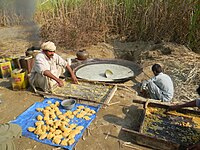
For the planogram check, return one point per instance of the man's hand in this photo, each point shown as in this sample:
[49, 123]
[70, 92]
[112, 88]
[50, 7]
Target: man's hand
[60, 82]
[75, 80]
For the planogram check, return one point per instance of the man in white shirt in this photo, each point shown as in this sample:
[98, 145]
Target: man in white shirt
[160, 87]
[48, 67]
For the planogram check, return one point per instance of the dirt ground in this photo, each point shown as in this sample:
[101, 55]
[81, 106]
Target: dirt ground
[105, 130]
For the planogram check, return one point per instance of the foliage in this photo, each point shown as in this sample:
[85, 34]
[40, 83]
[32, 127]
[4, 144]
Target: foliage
[77, 23]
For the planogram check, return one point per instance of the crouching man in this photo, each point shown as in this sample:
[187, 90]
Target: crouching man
[159, 87]
[48, 67]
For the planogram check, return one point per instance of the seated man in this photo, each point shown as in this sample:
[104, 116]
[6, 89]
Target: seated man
[160, 87]
[48, 67]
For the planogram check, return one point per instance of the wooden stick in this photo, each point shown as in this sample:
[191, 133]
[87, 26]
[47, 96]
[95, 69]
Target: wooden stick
[51, 94]
[130, 146]
[111, 94]
[146, 104]
[114, 103]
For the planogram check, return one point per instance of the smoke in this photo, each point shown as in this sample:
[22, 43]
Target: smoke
[25, 8]
[22, 8]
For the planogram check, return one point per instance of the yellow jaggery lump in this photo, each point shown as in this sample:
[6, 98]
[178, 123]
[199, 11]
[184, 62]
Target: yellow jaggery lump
[53, 116]
[49, 102]
[50, 135]
[68, 113]
[57, 103]
[80, 128]
[52, 129]
[58, 112]
[71, 135]
[59, 136]
[79, 110]
[51, 112]
[56, 108]
[71, 116]
[61, 117]
[87, 109]
[75, 131]
[71, 141]
[50, 122]
[39, 118]
[86, 118]
[64, 142]
[62, 127]
[75, 112]
[39, 109]
[57, 123]
[38, 131]
[31, 129]
[67, 120]
[79, 116]
[65, 134]
[48, 127]
[83, 113]
[56, 140]
[46, 118]
[43, 136]
[57, 132]
[80, 107]
[67, 130]
[45, 111]
[48, 108]
[44, 128]
[92, 111]
[64, 123]
[53, 106]
[72, 126]
[89, 114]
[39, 123]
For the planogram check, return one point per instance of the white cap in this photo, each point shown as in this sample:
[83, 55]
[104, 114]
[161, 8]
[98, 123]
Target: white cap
[50, 46]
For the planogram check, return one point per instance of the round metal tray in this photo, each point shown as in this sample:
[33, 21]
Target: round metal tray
[95, 70]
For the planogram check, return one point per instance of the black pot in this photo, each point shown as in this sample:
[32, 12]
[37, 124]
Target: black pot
[82, 54]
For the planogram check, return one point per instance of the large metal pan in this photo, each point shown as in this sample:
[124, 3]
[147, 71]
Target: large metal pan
[96, 69]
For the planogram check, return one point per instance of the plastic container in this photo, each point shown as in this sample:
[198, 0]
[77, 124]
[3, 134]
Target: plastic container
[5, 69]
[68, 103]
[19, 79]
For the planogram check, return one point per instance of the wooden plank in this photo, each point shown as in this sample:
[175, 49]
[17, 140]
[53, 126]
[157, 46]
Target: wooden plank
[65, 97]
[152, 142]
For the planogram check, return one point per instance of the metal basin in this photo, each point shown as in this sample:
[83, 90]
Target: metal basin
[98, 69]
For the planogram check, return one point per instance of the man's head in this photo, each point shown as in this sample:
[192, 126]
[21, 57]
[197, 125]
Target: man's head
[48, 48]
[156, 68]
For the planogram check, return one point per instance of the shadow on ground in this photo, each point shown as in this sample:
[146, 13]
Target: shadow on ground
[132, 121]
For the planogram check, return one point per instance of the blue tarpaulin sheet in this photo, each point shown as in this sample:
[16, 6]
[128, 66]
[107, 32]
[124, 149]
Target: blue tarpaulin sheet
[28, 119]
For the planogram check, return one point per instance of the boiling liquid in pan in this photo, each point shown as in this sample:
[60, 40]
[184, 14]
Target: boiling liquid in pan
[96, 72]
